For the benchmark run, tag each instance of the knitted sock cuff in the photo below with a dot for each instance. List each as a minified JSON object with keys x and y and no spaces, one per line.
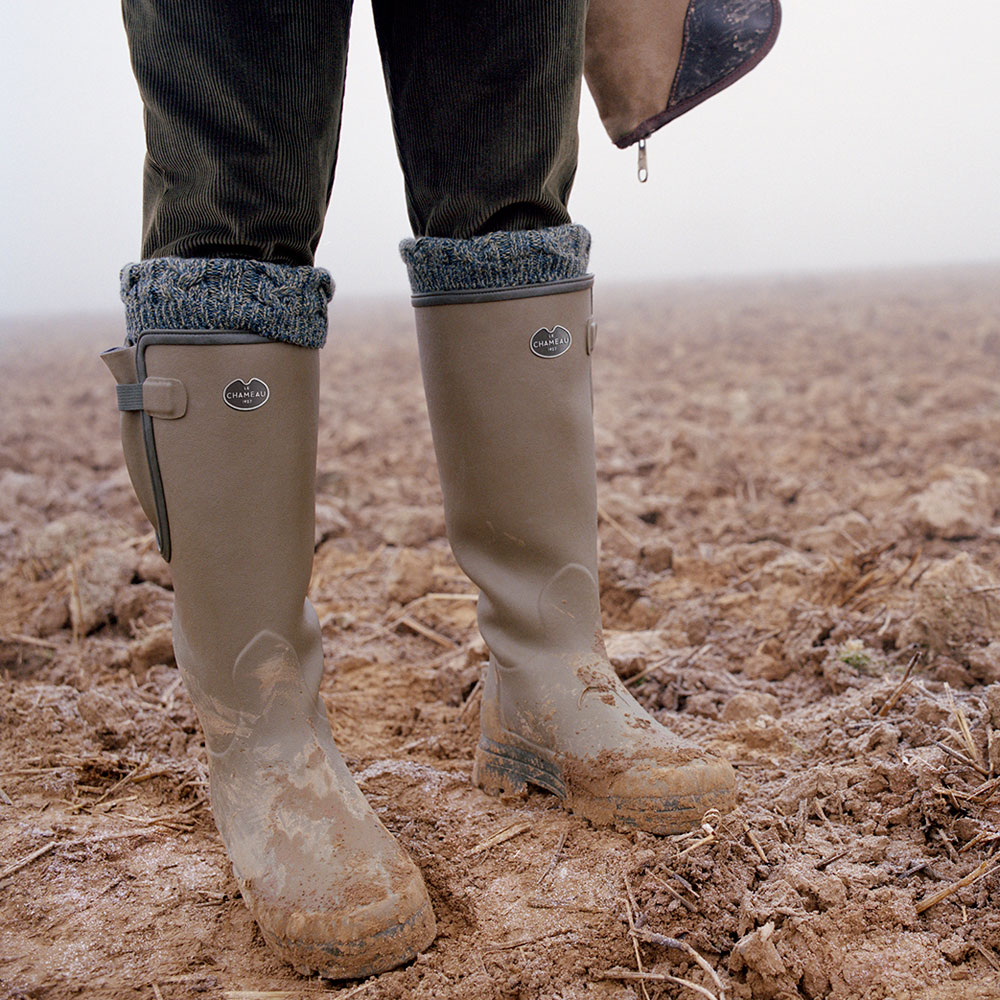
{"x":277,"y":301}
{"x":497,"y":260}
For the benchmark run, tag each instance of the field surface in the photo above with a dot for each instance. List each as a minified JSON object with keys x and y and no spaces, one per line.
{"x":800,"y":568}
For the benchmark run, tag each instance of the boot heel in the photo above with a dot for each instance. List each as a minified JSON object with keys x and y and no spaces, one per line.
{"x":503,"y":769}
{"x":498,"y":775}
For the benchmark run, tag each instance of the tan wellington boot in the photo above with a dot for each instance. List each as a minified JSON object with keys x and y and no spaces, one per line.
{"x":219,"y":433}
{"x":507,"y":377}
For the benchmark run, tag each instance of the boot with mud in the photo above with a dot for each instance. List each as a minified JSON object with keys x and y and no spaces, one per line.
{"x":507,"y":374}
{"x":219,"y":431}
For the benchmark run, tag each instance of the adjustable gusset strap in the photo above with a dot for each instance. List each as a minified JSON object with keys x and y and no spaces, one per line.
{"x":165,"y":398}
{"x":129,"y":396}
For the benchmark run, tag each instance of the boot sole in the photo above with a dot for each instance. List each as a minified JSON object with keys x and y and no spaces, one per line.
{"x":362,"y":957}
{"x":507,"y":770}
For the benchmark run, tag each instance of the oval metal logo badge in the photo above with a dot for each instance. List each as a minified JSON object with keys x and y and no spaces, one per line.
{"x":551,"y":343}
{"x":242,"y":395}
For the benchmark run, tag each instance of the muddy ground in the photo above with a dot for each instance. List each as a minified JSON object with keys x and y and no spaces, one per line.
{"x":800,"y":568}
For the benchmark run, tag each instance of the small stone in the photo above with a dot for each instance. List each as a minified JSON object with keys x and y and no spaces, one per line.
{"x":112,"y":723}
{"x":351,"y":435}
{"x":696,"y":630}
{"x":70,"y":537}
{"x":644,"y":613}
{"x":762,"y":733}
{"x":632,"y":652}
{"x":956,"y":605}
{"x":984,"y":662}
{"x":948,"y":671}
{"x":152,"y":647}
{"x":51,"y":615}
{"x":934,"y":714}
{"x":825,"y":891}
{"x":330,"y":523}
{"x":750,"y":705}
{"x":955,"y":948}
{"x":763,"y":666}
{"x":154,"y":568}
{"x":99,"y":576}
{"x":704,"y":704}
{"x":143,"y":605}
{"x":757,"y":952}
{"x":22,"y":493}
{"x":956,"y":505}
{"x":410,"y":576}
{"x":412,"y":526}
{"x":657,"y":557}
{"x":788,"y":488}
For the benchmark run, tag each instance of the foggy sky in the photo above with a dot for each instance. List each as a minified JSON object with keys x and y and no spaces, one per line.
{"x":869,"y":137}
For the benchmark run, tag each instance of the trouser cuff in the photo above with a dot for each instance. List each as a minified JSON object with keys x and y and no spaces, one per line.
{"x":497,"y":260}
{"x":277,"y":301}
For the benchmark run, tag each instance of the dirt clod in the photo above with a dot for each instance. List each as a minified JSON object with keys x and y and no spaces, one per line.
{"x":958,"y":504}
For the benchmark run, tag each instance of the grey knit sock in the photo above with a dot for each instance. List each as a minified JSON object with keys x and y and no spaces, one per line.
{"x":198,"y":293}
{"x":497,"y":260}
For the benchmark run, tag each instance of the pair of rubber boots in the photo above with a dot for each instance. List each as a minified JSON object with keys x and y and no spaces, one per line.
{"x":219,"y":431}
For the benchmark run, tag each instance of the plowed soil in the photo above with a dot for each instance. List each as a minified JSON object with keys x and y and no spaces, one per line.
{"x":800,"y":569}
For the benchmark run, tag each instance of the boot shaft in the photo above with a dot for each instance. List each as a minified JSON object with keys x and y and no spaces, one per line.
{"x":219,"y":429}
{"x":508,"y":390}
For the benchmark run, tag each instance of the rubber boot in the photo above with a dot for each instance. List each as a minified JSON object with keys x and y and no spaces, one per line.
{"x":219,"y":432}
{"x":507,"y":378}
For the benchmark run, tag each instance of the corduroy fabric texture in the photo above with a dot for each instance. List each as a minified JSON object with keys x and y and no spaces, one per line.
{"x":242,"y":110}
{"x":272,"y":300}
{"x":498,"y":260}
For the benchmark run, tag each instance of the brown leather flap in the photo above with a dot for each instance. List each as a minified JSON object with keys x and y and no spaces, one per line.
{"x":632,"y":51}
{"x":649,"y":61}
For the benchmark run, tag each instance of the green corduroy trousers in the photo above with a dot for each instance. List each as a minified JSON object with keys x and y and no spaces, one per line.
{"x":243,"y":98}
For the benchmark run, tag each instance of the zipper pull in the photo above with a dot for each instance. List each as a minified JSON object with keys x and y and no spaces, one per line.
{"x":643,"y":171}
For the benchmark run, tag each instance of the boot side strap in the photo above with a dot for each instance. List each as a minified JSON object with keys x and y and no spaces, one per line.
{"x":165,"y":398}
{"x":129,"y":396}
